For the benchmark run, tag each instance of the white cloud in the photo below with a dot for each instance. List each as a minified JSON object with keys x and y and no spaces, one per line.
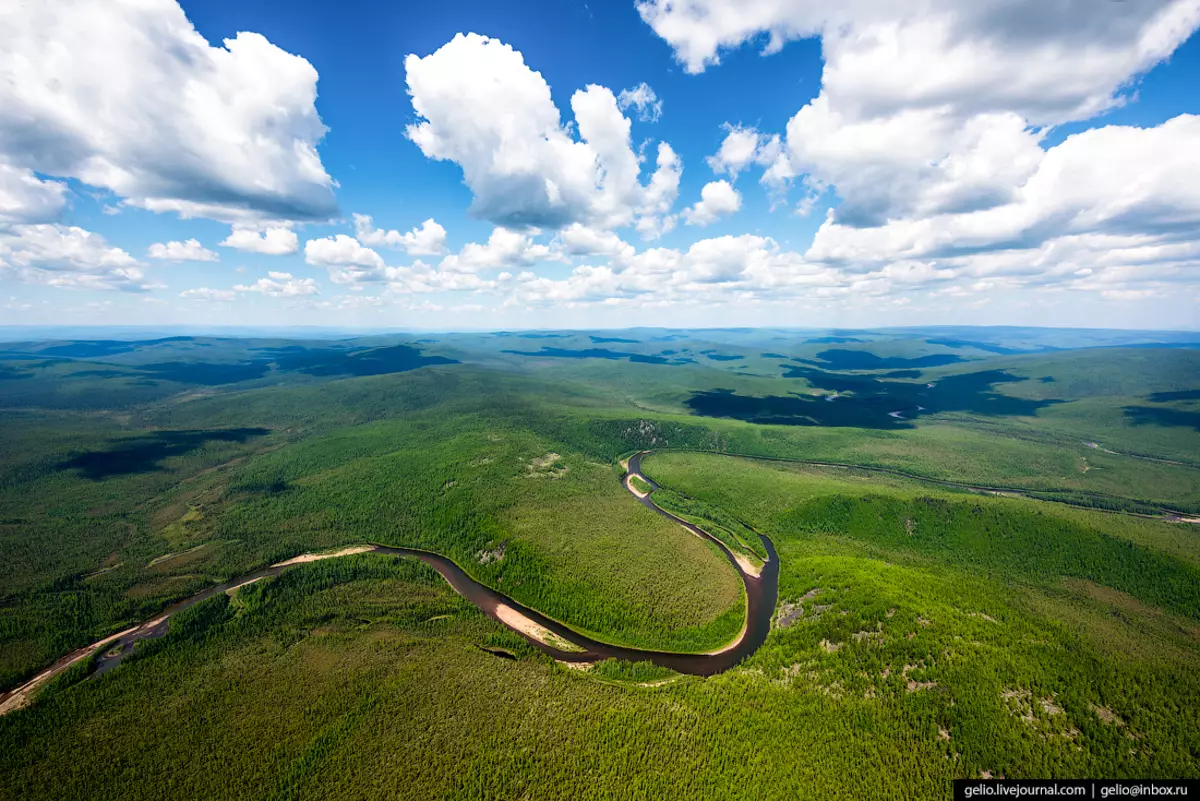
{"x":351,"y":263}
{"x":25,"y":198}
{"x":1016,"y":47}
{"x":340,"y":251}
{"x":929,"y":128}
{"x":1129,"y":294}
{"x":642,"y":98}
{"x":276,"y":241}
{"x":934,"y":106}
{"x":913,"y":163}
{"x":422,"y":278}
{"x":278,"y":284}
{"x":1147,"y":189}
{"x":714,"y":270}
{"x":191,"y":250}
{"x":67,"y":256}
{"x":427,"y":240}
{"x":427,"y":306}
{"x":504,"y":248}
{"x":348,"y":303}
{"x":744,"y":147}
{"x":579,"y":240}
{"x":204,"y":293}
{"x":751,"y":269}
{"x":739,"y":149}
{"x":126,"y":95}
{"x":717,"y":198}
{"x":481,"y":107}
{"x":347,"y":260}
{"x":661,"y":194}
{"x":357,"y":302}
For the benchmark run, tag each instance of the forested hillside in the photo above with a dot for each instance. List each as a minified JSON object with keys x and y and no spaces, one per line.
{"x":1003,"y":581}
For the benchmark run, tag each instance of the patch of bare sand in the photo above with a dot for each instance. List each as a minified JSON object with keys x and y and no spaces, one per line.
{"x":487,"y":556}
{"x":21,"y":696}
{"x":304,"y":558}
{"x":659,"y":682}
{"x":630,"y":486}
{"x":581,"y":666}
{"x":870,"y":637}
{"x":547,"y":466}
{"x":519,"y":622}
{"x":233,"y":590}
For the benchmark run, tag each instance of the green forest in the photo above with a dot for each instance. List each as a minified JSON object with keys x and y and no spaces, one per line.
{"x":1006,"y":584}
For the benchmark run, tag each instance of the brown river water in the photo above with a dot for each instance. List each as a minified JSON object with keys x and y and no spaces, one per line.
{"x":761,"y":594}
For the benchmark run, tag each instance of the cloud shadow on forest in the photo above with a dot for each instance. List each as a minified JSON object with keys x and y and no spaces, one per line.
{"x":146,"y":453}
{"x":1168,"y":418}
{"x":869,"y":402}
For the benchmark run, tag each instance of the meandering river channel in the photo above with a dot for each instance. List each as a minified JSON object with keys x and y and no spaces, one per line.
{"x":761,"y":594}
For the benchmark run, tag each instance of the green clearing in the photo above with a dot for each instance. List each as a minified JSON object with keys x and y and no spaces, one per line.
{"x":923,"y":633}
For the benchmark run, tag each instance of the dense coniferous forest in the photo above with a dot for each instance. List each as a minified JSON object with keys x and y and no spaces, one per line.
{"x":1006,"y":582}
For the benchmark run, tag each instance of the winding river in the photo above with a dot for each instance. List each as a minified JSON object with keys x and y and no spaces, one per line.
{"x":761,"y":594}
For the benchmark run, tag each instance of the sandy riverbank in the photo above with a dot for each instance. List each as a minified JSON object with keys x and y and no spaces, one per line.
{"x":304,"y":558}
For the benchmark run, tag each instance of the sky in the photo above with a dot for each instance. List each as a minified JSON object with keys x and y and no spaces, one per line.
{"x":561,"y":164}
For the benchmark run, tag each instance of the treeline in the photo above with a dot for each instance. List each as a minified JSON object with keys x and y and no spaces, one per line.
{"x":364,"y":677}
{"x":738,"y":537}
{"x":1020,"y":543}
{"x":633,"y":672}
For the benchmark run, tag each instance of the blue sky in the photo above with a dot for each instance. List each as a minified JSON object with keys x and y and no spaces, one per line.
{"x":1015,"y":162}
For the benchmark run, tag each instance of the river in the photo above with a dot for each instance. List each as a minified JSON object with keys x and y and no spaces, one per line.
{"x":761,"y":594}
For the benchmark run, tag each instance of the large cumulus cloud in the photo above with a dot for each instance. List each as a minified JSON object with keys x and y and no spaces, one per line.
{"x":479,"y":105}
{"x":125,"y":95}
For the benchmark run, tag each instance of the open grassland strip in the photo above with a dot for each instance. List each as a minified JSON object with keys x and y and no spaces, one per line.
{"x":1013,"y":538}
{"x":1117,"y":504}
{"x":1041,"y":435}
